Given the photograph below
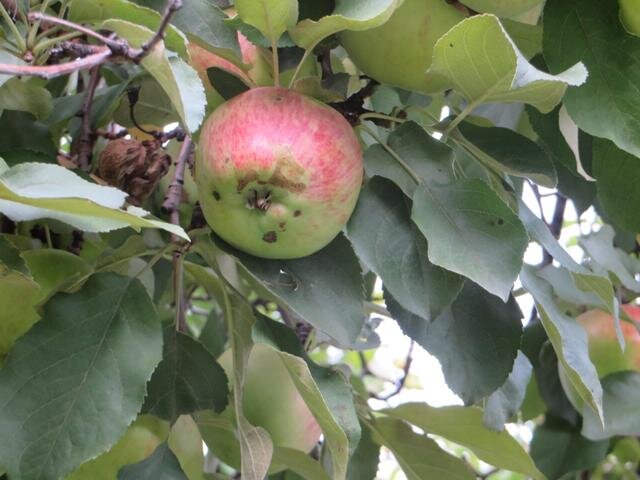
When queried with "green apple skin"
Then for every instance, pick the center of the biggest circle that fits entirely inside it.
(272, 401)
(604, 349)
(630, 15)
(140, 440)
(278, 173)
(399, 52)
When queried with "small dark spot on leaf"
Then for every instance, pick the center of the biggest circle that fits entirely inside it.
(451, 45)
(297, 213)
(500, 221)
(270, 237)
(216, 195)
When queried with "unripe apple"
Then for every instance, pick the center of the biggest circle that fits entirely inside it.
(140, 440)
(630, 15)
(278, 173)
(604, 350)
(399, 52)
(272, 401)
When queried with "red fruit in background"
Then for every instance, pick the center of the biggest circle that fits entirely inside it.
(604, 349)
(278, 173)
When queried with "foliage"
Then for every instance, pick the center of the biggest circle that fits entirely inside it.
(116, 298)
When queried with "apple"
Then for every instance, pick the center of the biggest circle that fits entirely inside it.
(604, 350)
(140, 440)
(278, 173)
(272, 401)
(630, 15)
(399, 52)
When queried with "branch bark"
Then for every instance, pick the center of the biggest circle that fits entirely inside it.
(87, 135)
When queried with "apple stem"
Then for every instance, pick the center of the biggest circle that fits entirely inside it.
(276, 63)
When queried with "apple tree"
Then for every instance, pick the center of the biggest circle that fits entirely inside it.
(213, 212)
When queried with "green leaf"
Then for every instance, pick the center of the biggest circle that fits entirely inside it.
(620, 403)
(70, 199)
(68, 267)
(528, 38)
(476, 340)
(570, 182)
(335, 438)
(502, 8)
(499, 73)
(271, 17)
(185, 442)
(430, 159)
(25, 96)
(7, 58)
(203, 22)
(93, 352)
(10, 256)
(463, 425)
(511, 153)
(187, 379)
(347, 15)
(419, 456)
(390, 245)
(617, 173)
(325, 289)
(19, 295)
(471, 231)
(505, 402)
(256, 447)
(558, 450)
(569, 341)
(299, 462)
(599, 246)
(364, 461)
(96, 11)
(22, 137)
(607, 105)
(227, 84)
(161, 465)
(178, 79)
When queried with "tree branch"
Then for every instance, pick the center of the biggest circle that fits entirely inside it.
(172, 7)
(405, 373)
(87, 135)
(100, 56)
(174, 192)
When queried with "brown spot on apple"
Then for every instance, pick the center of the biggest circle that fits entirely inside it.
(270, 237)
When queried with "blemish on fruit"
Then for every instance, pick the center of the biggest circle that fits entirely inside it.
(282, 226)
(216, 195)
(246, 180)
(270, 237)
(297, 213)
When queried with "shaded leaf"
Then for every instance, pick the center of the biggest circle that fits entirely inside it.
(19, 295)
(390, 245)
(364, 461)
(187, 379)
(471, 231)
(569, 341)
(161, 465)
(463, 425)
(620, 404)
(558, 450)
(476, 340)
(25, 96)
(325, 288)
(419, 456)
(93, 352)
(505, 402)
(607, 105)
(271, 17)
(511, 153)
(299, 462)
(430, 159)
(617, 173)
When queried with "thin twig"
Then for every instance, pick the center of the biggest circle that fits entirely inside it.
(47, 72)
(172, 7)
(555, 226)
(174, 192)
(87, 135)
(405, 373)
